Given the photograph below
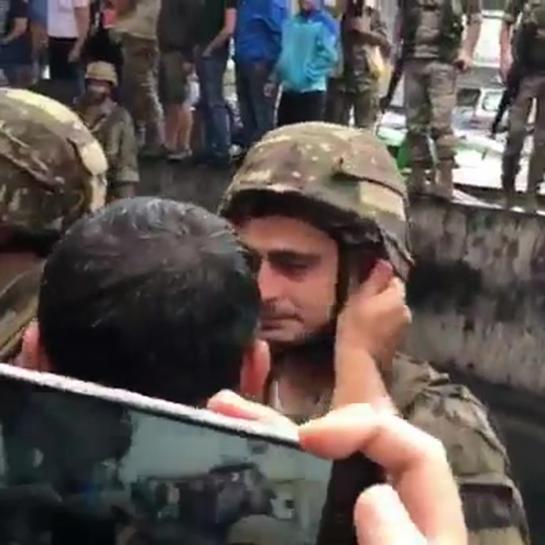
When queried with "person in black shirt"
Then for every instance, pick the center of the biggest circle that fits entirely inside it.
(15, 44)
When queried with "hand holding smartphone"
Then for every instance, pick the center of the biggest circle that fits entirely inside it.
(85, 464)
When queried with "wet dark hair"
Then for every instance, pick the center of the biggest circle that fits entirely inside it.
(150, 295)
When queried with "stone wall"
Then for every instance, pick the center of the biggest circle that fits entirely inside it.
(478, 292)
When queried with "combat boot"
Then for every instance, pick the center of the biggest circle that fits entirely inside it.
(531, 196)
(417, 179)
(153, 147)
(444, 186)
(508, 177)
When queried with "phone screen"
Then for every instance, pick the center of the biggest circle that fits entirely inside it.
(87, 465)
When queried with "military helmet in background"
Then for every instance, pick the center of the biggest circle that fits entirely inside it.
(52, 170)
(341, 180)
(101, 70)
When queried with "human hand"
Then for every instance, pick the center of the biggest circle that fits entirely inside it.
(375, 315)
(464, 61)
(74, 54)
(405, 511)
(421, 504)
(269, 89)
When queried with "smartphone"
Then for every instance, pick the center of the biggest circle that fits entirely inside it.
(80, 463)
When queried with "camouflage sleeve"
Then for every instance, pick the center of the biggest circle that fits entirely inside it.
(126, 168)
(492, 503)
(473, 10)
(512, 10)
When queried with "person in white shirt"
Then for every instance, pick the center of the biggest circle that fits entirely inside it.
(67, 28)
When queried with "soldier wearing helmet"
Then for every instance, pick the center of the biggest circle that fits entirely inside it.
(53, 172)
(324, 209)
(112, 126)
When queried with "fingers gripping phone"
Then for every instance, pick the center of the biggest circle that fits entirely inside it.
(84, 464)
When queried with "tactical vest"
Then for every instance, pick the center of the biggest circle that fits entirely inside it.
(451, 26)
(529, 41)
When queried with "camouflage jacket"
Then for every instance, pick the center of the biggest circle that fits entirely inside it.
(492, 503)
(112, 126)
(18, 307)
(354, 74)
(493, 506)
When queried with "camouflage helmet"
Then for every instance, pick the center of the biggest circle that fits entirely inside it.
(103, 71)
(52, 169)
(342, 180)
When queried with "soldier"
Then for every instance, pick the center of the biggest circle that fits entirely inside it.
(431, 34)
(357, 84)
(53, 171)
(112, 126)
(530, 61)
(320, 219)
(137, 27)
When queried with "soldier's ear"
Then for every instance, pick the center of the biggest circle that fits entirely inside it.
(33, 355)
(256, 364)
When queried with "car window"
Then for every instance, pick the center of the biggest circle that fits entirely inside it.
(468, 98)
(491, 101)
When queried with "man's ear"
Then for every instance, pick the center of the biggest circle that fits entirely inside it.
(256, 364)
(33, 355)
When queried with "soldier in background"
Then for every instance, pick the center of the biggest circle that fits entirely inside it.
(356, 85)
(137, 27)
(53, 172)
(430, 37)
(529, 53)
(112, 126)
(325, 222)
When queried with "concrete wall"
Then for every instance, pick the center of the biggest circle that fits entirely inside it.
(478, 292)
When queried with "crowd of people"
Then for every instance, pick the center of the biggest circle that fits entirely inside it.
(325, 63)
(170, 301)
(293, 295)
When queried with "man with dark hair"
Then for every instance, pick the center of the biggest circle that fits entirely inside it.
(153, 296)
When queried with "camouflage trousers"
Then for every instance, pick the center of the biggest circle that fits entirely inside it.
(430, 99)
(140, 88)
(532, 88)
(342, 100)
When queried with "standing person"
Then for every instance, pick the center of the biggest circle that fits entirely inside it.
(325, 210)
(364, 43)
(178, 20)
(309, 54)
(15, 43)
(67, 27)
(258, 40)
(431, 35)
(64, 155)
(37, 17)
(529, 53)
(112, 126)
(216, 27)
(137, 26)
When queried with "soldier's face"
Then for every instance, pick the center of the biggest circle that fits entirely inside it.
(297, 276)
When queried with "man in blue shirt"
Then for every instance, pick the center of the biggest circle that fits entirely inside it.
(258, 39)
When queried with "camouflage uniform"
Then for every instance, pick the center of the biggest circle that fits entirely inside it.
(530, 56)
(359, 203)
(355, 87)
(432, 37)
(140, 50)
(112, 126)
(53, 171)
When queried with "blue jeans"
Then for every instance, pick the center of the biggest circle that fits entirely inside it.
(210, 71)
(256, 109)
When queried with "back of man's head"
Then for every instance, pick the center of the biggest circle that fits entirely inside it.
(150, 295)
